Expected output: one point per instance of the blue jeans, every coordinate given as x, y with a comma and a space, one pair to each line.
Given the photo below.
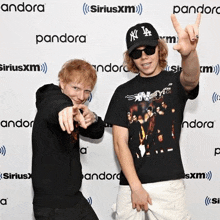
81, 211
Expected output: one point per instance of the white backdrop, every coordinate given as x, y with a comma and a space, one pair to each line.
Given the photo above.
37, 37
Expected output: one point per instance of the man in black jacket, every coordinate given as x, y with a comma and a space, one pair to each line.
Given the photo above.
61, 117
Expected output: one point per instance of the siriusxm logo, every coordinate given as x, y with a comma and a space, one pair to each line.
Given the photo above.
215, 97
196, 9
2, 150
3, 201
101, 176
18, 124
203, 69
24, 68
198, 124
23, 7
90, 97
115, 9
214, 201
64, 38
207, 176
89, 200
14, 176
170, 39
216, 69
110, 68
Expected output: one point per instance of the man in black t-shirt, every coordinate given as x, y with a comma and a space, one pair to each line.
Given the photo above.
153, 183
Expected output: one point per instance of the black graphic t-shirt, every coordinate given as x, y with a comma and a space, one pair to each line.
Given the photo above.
152, 110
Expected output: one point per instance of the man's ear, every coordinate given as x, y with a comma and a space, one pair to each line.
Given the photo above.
62, 84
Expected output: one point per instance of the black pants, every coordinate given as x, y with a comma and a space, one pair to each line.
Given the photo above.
81, 211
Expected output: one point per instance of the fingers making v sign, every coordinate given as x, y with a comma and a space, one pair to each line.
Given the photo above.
188, 38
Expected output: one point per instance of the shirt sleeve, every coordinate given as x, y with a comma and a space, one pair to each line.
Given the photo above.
116, 113
94, 131
194, 93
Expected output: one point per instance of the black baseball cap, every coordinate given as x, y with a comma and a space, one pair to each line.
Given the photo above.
141, 34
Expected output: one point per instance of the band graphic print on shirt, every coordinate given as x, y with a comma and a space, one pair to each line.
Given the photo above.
151, 119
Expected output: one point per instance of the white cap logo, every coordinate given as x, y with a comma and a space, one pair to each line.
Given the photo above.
133, 35
146, 32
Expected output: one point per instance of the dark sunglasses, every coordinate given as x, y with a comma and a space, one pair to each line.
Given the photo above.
136, 54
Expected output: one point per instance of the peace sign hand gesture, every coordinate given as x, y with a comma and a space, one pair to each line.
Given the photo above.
188, 38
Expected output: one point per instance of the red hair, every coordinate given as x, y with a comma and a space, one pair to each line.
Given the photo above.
78, 71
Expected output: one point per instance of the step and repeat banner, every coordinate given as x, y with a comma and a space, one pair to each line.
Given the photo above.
38, 36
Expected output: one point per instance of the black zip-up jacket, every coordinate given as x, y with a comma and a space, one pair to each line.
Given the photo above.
56, 167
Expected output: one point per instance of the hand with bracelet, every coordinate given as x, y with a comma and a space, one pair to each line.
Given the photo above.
89, 116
